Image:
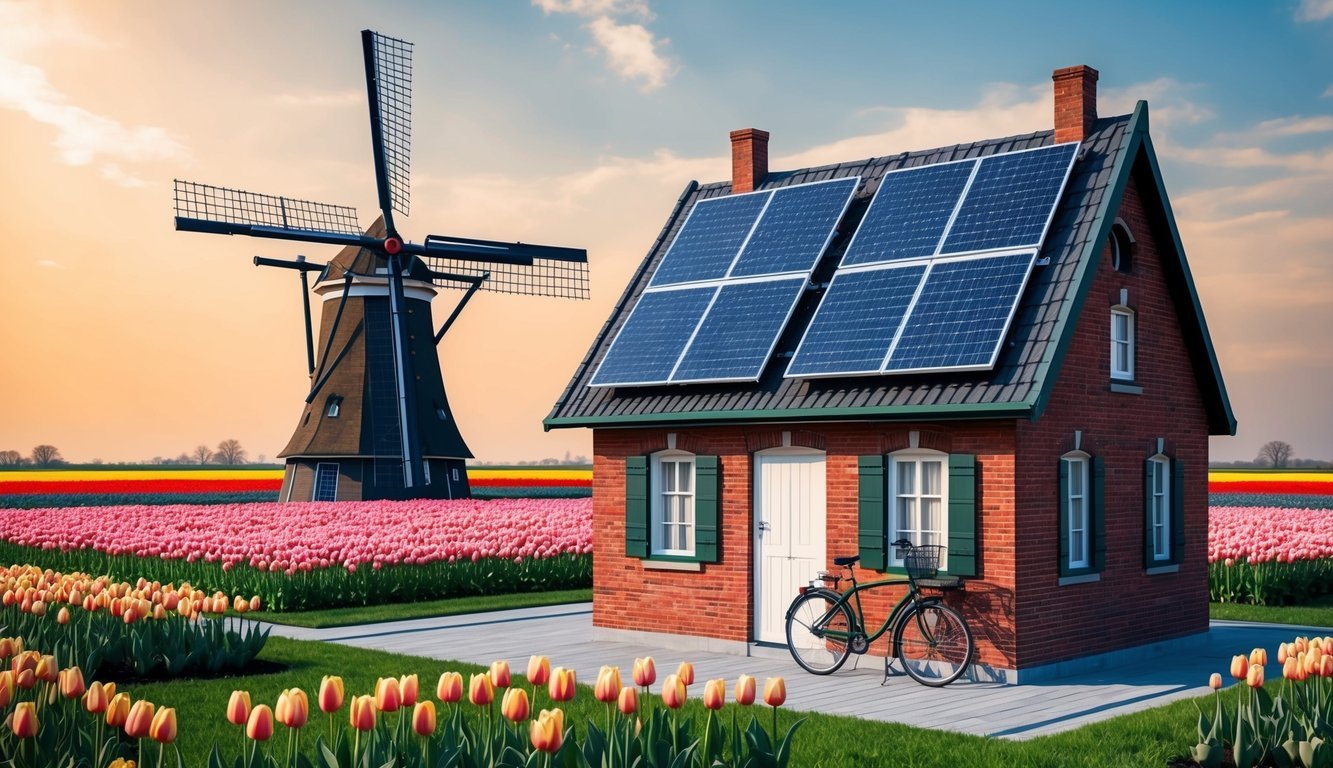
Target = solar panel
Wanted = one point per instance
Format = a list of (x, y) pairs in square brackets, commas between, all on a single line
[(795, 228), (1011, 200), (738, 334), (650, 343), (710, 238), (856, 322), (906, 220), (962, 314)]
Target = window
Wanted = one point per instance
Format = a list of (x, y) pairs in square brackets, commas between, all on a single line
[(1122, 343), (1122, 247), (918, 500), (335, 406), (672, 531), (1078, 531), (1158, 496), (326, 482)]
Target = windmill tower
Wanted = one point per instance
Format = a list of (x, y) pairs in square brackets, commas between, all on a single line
[(376, 423)]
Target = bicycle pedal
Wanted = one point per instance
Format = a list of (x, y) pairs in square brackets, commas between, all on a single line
[(858, 644)]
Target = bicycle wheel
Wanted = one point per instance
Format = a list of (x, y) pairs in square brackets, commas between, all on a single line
[(934, 643), (818, 628)]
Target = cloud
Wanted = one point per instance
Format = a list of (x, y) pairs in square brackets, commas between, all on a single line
[(631, 52), (1314, 10), (49, 264), (1328, 92), (322, 99), (82, 137), (591, 8)]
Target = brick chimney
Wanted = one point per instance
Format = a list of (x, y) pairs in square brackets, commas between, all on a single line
[(749, 159), (1075, 102)]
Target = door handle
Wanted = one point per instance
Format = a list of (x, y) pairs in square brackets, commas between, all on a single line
[(764, 526)]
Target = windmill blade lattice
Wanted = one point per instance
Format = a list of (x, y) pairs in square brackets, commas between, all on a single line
[(205, 202), (389, 80), (544, 277)]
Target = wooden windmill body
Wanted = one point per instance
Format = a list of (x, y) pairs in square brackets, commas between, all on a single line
[(376, 423)]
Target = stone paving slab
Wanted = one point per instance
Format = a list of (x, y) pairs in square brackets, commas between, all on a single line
[(564, 633)]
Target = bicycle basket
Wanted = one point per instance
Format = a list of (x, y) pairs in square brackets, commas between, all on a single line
[(922, 562)]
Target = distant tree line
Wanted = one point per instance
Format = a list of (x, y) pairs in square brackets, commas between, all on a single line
[(228, 452), (1275, 454)]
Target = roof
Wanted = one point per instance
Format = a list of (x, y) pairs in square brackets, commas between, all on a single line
[(1024, 374)]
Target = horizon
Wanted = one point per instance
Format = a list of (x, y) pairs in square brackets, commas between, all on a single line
[(577, 123)]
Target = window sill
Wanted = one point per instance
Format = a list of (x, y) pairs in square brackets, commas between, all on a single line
[(1157, 570), (1126, 388), (672, 565), (1082, 578)]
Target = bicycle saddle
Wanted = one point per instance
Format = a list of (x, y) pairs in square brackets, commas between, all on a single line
[(848, 560)]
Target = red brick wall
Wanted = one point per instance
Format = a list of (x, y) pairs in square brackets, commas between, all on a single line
[(716, 602), (1126, 607)]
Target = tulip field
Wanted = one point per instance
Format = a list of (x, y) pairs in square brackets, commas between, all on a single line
[(1270, 537)]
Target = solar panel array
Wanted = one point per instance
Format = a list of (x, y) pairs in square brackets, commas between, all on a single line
[(726, 287), (933, 276)]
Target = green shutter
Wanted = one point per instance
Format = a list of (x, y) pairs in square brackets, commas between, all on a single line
[(1062, 509), (706, 498), (1177, 511), (1148, 561), (636, 506), (962, 514), (1097, 512), (870, 511)]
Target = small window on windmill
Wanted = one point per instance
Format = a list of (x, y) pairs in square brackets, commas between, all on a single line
[(441, 413), (455, 474), (335, 407)]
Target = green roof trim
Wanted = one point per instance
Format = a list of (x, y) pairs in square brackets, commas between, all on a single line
[(1139, 145), (903, 412)]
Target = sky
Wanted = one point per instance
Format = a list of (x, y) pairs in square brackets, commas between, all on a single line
[(578, 123)]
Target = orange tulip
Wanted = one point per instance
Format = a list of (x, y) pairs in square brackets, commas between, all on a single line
[(1255, 677), (775, 691), (745, 690), (539, 670), (1215, 682), (450, 688), (628, 701), (1326, 666), (1311, 662), (26, 679), (423, 718), (673, 692), (24, 720), (140, 719), (645, 672), (7, 687), (240, 605), (1282, 653), (500, 674), (39, 608), (547, 730), (163, 728), (1259, 656), (685, 673), (71, 683), (6, 647), (514, 706), (95, 698), (715, 693), (388, 696), (62, 616), (331, 694), (1240, 666), (608, 686), (293, 708), (480, 690), (255, 603), (48, 671), (26, 660), (260, 725), (410, 687), (1292, 669), (118, 710), (561, 687), (238, 708), (361, 715)]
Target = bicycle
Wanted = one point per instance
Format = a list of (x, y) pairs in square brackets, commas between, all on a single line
[(933, 641)]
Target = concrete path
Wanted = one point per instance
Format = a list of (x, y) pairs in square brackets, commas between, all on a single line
[(563, 632)]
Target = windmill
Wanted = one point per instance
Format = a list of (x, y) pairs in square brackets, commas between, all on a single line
[(376, 423)]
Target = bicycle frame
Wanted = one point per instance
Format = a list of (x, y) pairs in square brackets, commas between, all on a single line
[(851, 598)]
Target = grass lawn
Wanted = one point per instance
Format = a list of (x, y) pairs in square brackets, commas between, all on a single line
[(1319, 613), (1142, 739), (345, 617)]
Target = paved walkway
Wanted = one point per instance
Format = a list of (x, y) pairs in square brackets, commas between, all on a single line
[(563, 633)]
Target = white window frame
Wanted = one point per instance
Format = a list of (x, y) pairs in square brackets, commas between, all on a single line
[(897, 496), (1123, 373), (1159, 505), (1078, 520), (674, 501), (314, 490)]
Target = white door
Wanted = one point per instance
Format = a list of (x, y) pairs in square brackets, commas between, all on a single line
[(789, 533)]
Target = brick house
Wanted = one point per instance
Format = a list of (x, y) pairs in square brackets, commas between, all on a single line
[(1067, 475)]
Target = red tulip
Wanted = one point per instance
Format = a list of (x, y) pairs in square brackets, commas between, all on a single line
[(362, 713), (24, 720), (715, 693), (238, 708), (645, 672), (539, 670), (562, 684), (500, 674), (331, 694), (139, 720), (608, 686), (293, 708), (480, 690), (7, 688), (628, 702), (514, 706), (775, 691), (673, 692), (94, 699), (745, 690), (388, 696), (547, 730), (163, 728), (450, 688), (423, 718), (260, 725), (410, 687), (71, 683)]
